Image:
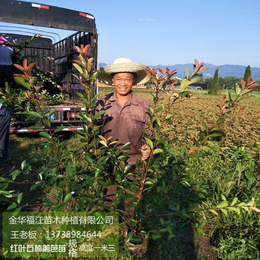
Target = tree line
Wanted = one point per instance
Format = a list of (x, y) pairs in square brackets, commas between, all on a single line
[(218, 83)]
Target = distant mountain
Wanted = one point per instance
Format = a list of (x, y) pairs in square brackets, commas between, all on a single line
[(223, 70)]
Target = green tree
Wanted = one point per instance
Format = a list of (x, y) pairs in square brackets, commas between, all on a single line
[(214, 86), (247, 73)]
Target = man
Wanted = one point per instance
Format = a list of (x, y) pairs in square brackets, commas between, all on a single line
[(126, 115), (5, 116), (6, 63)]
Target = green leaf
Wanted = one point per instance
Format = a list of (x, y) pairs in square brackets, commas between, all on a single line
[(127, 168), (169, 116), (82, 97), (184, 93), (19, 198), (2, 179), (237, 210), (6, 194), (67, 197), (157, 150), (194, 81), (126, 146), (102, 183), (52, 112), (206, 127), (224, 211), (163, 140), (156, 120), (62, 241), (223, 197), (237, 89), (22, 82), (234, 201), (99, 113), (156, 236), (85, 75), (45, 135), (16, 211), (79, 69), (220, 121), (149, 183), (93, 76), (184, 84), (245, 209), (250, 203), (88, 181), (34, 186), (85, 117), (58, 207), (172, 207), (69, 171), (27, 255), (214, 212), (59, 129), (149, 142), (168, 129), (23, 165), (129, 236), (158, 109), (204, 148), (35, 114), (215, 135), (187, 72), (12, 206), (15, 174), (223, 204), (104, 143), (127, 254), (245, 91), (250, 175)]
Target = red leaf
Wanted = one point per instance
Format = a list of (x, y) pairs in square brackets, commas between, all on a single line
[(77, 49), (219, 94), (199, 65), (254, 85), (243, 83), (25, 64), (170, 73), (19, 67), (241, 109), (153, 71), (161, 71)]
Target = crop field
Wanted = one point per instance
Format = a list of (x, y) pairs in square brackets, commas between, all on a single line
[(226, 169)]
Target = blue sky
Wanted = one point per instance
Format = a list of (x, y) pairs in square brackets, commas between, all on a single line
[(175, 32)]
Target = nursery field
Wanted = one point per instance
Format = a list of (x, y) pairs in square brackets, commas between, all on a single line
[(188, 115), (227, 168)]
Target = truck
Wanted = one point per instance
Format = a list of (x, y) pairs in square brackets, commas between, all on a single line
[(83, 28)]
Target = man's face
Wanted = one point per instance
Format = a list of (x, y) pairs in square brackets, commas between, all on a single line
[(123, 83)]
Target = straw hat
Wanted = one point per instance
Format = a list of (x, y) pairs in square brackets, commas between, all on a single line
[(123, 65), (4, 41)]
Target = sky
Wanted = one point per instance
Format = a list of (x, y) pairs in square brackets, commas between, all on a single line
[(170, 32)]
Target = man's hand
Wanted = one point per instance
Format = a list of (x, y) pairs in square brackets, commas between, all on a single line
[(145, 150)]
